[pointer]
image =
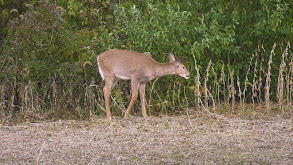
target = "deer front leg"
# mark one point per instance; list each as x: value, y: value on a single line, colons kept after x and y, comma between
x: 134, y: 93
x: 107, y: 93
x: 142, y: 99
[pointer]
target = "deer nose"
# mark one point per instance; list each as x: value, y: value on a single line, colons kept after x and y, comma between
x: 187, y: 75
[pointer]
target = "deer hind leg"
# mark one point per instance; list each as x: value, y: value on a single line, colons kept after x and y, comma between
x: 134, y: 94
x: 142, y: 99
x: 109, y: 82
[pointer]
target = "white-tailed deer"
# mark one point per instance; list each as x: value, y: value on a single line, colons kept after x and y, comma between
x: 139, y: 68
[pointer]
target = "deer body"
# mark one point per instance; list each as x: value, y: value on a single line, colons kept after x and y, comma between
x: 139, y: 68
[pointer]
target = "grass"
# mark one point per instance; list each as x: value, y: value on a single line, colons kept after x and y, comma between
x: 196, y: 137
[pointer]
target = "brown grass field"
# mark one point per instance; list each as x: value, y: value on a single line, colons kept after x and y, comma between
x: 193, y: 138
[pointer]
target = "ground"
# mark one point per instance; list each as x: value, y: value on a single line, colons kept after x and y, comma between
x: 194, y: 138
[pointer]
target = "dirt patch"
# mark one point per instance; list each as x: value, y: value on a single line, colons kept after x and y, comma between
x: 188, y: 139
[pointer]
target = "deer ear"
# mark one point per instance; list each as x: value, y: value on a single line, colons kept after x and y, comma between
x: 171, y: 57
x: 179, y: 59
x: 176, y: 63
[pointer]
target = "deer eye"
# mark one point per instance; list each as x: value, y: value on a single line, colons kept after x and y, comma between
x: 183, y: 67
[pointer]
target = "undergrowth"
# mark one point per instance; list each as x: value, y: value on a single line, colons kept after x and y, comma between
x: 239, y: 64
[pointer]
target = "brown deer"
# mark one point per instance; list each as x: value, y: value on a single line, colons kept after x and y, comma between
x: 139, y: 68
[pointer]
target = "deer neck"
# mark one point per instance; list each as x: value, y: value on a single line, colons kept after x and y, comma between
x: 163, y: 69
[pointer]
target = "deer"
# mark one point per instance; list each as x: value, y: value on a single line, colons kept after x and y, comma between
x: 139, y: 68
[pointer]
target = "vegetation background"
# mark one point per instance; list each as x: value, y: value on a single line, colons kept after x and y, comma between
x: 238, y: 54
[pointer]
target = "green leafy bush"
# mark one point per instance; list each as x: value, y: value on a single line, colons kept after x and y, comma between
x: 225, y: 45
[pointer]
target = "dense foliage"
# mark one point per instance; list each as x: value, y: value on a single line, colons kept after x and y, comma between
x: 45, y: 43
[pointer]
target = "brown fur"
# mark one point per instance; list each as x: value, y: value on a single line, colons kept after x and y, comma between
x: 139, y: 68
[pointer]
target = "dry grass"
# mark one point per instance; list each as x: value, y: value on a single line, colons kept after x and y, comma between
x: 195, y: 138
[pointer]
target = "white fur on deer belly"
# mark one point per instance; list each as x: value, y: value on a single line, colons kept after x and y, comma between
x: 100, y: 69
x: 122, y: 77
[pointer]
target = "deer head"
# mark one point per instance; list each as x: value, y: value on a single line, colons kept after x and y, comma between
x: 179, y: 68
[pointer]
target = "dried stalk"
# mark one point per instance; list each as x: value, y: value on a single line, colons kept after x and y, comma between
x: 232, y: 90
x: 254, y: 84
x: 222, y: 80
x: 205, y: 84
x: 239, y: 92
x: 268, y: 79
x: 245, y: 83
x: 216, y: 85
x: 280, y: 87
x: 290, y: 88
x: 197, y: 84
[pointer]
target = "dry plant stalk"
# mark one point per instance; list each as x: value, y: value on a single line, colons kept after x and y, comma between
x: 90, y: 100
x: 287, y: 75
x: 280, y: 87
x: 288, y: 88
x: 216, y: 87
x: 197, y: 85
x: 254, y: 84
x: 239, y: 91
x: 2, y: 102
x: 205, y: 85
x: 54, y: 94
x: 231, y: 89
x: 245, y: 83
x: 213, y: 101
x: 222, y: 80
x: 28, y: 98
x: 290, y: 82
x: 259, y: 87
x: 268, y: 79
